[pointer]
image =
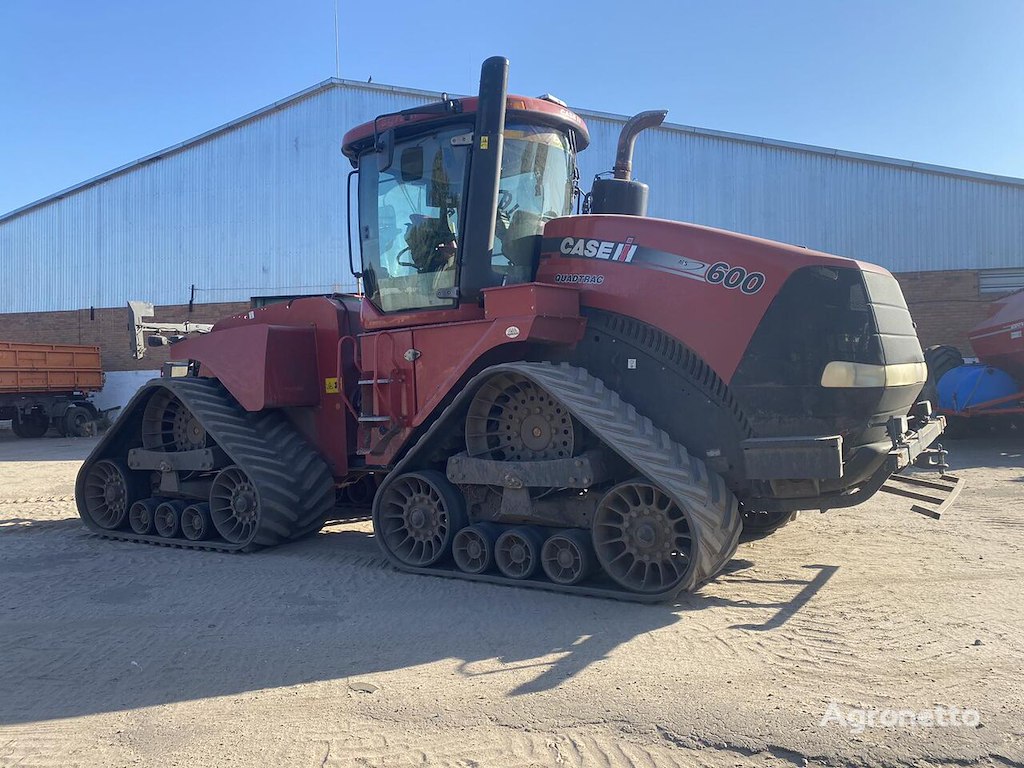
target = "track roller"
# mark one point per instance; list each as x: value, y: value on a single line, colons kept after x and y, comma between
x: 110, y: 489
x: 567, y: 557
x: 473, y: 547
x: 196, y: 523
x: 517, y: 552
x: 167, y: 518
x: 417, y: 518
x: 141, y: 514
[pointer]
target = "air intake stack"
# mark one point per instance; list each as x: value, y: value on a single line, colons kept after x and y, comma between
x: 621, y: 193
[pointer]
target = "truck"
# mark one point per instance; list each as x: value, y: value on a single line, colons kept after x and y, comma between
x: 44, y: 385
x: 536, y: 387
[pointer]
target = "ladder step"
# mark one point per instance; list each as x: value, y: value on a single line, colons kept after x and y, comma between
x: 374, y: 419
x: 374, y: 381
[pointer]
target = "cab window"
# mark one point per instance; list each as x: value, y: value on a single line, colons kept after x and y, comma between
x: 409, y: 222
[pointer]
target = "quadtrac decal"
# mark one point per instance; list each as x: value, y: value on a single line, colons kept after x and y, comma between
x: 720, y: 273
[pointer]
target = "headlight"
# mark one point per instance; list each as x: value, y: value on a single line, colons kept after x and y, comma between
x: 840, y: 373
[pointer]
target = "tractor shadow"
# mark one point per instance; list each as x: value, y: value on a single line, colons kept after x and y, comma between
x: 128, y: 626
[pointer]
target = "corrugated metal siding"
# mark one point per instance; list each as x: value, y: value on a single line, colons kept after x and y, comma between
x: 258, y: 208
x: 902, y: 218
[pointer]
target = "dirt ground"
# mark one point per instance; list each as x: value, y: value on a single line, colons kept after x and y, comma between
x: 318, y: 654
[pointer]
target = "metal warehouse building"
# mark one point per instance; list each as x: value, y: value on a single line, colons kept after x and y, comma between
x: 257, y: 208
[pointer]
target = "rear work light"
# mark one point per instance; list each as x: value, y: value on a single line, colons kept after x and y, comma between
x: 840, y: 373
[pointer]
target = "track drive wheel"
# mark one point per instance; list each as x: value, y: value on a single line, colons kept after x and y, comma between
x: 168, y: 425
x: 416, y: 516
x: 110, y: 490
x: 513, y: 419
x: 642, y: 537
x: 568, y: 557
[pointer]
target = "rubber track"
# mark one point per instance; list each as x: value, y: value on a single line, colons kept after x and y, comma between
x: 713, y: 511
x: 295, y: 486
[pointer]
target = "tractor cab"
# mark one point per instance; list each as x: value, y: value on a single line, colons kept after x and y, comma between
x: 453, y: 197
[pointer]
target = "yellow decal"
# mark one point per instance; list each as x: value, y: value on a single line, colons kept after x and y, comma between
x: 331, y: 385
x: 483, y: 142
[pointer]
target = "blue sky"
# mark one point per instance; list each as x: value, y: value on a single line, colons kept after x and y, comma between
x: 87, y: 86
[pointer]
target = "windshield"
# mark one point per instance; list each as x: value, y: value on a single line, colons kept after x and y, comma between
x: 409, y: 217
x: 537, y: 182
x: 411, y: 213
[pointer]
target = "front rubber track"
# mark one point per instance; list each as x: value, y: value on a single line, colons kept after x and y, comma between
x: 294, y: 484
x: 712, y: 510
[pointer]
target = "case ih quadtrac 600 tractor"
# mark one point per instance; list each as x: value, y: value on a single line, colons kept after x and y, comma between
x: 592, y: 403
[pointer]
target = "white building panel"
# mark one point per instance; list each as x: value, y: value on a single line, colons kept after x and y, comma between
x: 257, y: 207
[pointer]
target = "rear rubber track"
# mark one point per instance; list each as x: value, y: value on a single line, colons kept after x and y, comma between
x: 713, y: 509
x: 295, y: 486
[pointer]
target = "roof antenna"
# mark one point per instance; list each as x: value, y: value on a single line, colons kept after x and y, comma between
x: 337, y: 44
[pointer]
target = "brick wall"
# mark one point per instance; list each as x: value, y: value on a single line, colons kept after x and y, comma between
x: 945, y: 305
x: 108, y: 328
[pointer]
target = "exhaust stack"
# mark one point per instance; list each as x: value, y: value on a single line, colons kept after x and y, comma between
x: 484, y: 175
x: 621, y: 194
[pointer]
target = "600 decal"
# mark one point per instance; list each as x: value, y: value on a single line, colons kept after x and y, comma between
x: 721, y: 273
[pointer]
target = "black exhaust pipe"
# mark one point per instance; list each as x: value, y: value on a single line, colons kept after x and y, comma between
x: 621, y: 194
x: 484, y: 177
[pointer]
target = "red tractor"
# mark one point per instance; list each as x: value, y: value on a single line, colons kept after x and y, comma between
x: 595, y: 403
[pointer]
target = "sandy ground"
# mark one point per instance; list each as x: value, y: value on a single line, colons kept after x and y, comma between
x: 317, y: 654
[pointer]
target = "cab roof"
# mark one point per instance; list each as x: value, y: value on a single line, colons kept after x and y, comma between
x: 517, y: 108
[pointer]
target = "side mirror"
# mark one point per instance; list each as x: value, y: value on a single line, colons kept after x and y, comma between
x: 385, y: 149
x: 412, y: 163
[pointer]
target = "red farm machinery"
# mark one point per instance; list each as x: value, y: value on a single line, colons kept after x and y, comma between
x: 536, y: 387
x: 987, y: 395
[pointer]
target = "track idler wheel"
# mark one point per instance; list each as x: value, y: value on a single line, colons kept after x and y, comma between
x: 568, y: 557
x: 167, y: 518
x: 473, y: 547
x: 517, y: 552
x: 196, y: 523
x: 417, y: 516
x: 141, y: 515
x: 642, y: 538
x: 234, y: 505
x: 110, y: 489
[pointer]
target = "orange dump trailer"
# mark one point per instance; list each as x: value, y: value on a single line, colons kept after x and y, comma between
x: 44, y: 385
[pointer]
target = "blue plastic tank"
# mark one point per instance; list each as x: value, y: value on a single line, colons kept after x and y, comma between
x: 975, y: 384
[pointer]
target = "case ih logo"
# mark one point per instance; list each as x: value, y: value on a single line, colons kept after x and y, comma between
x: 720, y: 273
x: 598, y: 249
